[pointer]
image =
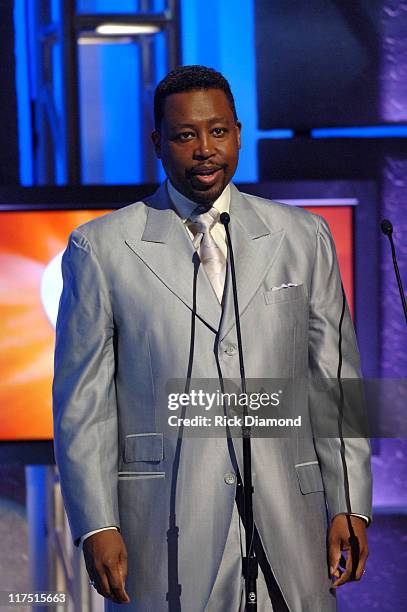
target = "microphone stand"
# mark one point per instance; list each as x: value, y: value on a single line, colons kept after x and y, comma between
x: 387, y: 229
x: 249, y: 562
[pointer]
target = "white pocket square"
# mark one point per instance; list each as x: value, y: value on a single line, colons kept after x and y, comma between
x: 284, y: 286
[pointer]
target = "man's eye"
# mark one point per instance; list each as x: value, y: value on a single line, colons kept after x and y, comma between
x: 185, y: 135
x: 219, y: 131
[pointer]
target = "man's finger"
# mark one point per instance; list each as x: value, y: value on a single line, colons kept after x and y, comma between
x: 361, y: 565
x: 123, y: 563
x: 101, y: 583
x: 344, y: 577
x: 349, y: 570
x: 334, y: 557
x: 116, y: 582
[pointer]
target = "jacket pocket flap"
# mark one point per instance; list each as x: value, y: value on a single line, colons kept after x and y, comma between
x: 144, y: 447
x: 309, y: 478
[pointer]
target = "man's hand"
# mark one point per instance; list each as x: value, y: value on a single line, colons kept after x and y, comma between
x: 106, y: 561
x: 347, y: 533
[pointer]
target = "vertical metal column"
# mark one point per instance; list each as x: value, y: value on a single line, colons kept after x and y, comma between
x: 39, y: 39
x: 147, y: 82
x: 69, y: 568
x: 174, y: 34
x: 71, y: 574
x: 55, y: 563
x: 148, y: 78
x: 71, y: 93
x: 38, y: 543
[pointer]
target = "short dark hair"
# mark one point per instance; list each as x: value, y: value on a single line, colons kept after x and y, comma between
x: 189, y: 78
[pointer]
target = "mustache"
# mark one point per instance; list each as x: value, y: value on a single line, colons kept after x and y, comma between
x: 204, y: 169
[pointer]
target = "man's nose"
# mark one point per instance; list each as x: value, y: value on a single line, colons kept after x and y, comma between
x: 204, y: 148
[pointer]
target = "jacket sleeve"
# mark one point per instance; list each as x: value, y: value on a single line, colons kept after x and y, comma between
x: 84, y: 402
x: 334, y: 356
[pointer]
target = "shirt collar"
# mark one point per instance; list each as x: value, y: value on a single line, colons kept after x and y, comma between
x: 184, y: 206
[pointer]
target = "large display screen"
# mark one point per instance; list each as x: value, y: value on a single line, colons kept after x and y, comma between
x: 31, y: 247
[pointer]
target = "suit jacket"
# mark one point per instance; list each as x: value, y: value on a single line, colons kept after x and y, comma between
x: 124, y: 328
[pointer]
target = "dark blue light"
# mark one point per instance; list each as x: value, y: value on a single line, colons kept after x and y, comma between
x: 373, y: 131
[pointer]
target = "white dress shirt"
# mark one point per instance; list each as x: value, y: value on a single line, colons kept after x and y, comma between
x: 184, y: 207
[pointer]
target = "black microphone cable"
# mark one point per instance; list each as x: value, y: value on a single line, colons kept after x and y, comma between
x: 353, y: 539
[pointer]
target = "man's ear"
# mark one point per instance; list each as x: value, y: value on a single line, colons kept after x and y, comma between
x: 156, y: 138
x: 239, y: 130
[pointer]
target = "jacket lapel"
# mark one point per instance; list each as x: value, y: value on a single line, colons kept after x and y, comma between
x: 167, y: 250
x: 255, y: 247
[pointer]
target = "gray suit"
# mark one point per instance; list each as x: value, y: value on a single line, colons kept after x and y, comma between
x: 124, y: 327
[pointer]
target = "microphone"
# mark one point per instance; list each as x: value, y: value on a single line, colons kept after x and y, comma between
x: 387, y: 229
x: 224, y: 218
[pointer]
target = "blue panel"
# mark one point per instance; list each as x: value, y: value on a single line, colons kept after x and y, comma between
x: 91, y: 129
x: 55, y: 11
x: 58, y: 96
x: 318, y: 62
x: 160, y: 5
x: 23, y: 94
x: 189, y: 33
x: 121, y: 113
x: 222, y: 37
x: 116, y: 6
x: 110, y: 113
x: 107, y: 6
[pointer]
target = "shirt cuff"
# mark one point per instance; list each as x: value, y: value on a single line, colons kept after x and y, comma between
x: 362, y: 516
x: 89, y: 533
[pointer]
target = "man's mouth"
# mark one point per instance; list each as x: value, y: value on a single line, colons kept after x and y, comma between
x: 206, y: 176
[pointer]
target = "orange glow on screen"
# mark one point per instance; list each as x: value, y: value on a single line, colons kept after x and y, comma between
x: 28, y: 242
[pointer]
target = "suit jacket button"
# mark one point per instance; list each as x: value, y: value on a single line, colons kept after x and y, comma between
x: 230, y: 478
x: 231, y: 349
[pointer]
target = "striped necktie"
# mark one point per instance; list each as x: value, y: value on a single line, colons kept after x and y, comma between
x: 201, y: 223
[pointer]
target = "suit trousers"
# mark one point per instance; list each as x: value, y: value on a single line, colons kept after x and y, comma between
x: 228, y: 593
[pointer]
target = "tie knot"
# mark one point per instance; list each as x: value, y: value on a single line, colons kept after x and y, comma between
x: 202, y: 220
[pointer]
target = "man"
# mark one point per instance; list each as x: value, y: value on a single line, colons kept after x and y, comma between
x: 145, y: 300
